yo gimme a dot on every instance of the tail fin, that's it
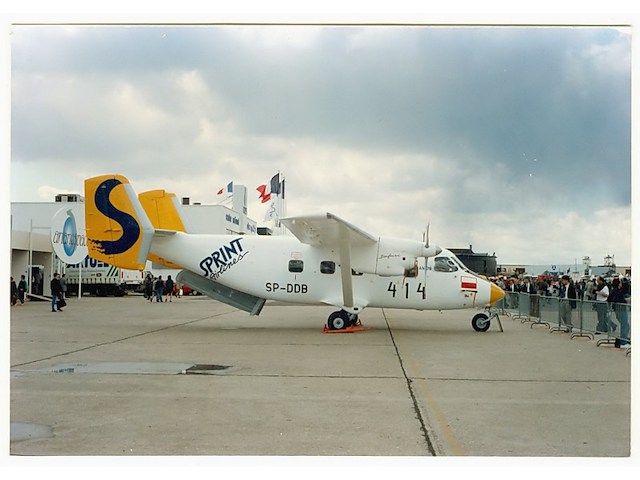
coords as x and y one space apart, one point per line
118 229
162 209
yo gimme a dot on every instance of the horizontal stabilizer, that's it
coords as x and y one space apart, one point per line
217 291
162 208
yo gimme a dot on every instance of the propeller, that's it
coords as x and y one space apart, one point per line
425 235
425 241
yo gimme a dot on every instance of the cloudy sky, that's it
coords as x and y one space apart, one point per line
516 140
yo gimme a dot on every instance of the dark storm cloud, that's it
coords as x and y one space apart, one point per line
478 95
478 122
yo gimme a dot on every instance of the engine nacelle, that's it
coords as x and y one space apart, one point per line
400 256
395 264
391 257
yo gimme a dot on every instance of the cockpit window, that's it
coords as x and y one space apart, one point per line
444 264
462 265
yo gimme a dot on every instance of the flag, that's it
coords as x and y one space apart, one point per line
264 196
228 189
271 213
275 184
274 187
468 283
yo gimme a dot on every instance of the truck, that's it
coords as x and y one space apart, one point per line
101 279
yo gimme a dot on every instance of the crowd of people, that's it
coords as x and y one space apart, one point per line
18 290
585 288
158 288
609 296
154 288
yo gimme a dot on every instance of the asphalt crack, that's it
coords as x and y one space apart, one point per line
416 407
117 340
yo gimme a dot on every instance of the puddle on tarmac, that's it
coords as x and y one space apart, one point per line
28 431
128 368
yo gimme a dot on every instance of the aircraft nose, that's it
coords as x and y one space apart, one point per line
496 294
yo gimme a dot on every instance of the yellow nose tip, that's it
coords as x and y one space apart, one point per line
496 294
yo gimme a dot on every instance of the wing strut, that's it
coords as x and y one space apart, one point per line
345 266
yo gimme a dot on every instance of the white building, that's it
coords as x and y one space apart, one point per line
31 232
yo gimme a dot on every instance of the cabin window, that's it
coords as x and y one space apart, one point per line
444 264
328 267
296 266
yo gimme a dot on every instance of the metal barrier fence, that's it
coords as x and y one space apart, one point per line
581 318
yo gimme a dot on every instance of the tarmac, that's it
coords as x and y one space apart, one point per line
194 377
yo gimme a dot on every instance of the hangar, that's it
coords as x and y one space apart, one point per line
482 263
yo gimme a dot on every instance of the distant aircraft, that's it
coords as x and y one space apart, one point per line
326 261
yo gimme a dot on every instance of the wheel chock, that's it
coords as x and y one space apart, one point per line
351 329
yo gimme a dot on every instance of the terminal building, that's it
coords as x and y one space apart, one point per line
32 254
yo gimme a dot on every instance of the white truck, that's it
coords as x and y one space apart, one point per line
102 279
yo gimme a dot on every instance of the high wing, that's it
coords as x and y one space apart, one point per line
329 231
326 229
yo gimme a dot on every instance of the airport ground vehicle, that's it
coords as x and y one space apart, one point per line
101 279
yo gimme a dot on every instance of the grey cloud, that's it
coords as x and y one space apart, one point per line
509 115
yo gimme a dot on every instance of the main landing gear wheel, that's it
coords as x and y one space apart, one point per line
341 320
481 322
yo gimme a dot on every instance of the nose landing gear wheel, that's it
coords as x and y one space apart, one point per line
481 322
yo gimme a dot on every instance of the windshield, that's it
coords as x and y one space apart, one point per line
462 265
444 264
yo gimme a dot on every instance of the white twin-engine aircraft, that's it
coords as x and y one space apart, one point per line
327 261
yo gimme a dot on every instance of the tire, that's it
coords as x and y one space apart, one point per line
481 322
338 320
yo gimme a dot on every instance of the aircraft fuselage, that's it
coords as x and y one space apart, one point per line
282 268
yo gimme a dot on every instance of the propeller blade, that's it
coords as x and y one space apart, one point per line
427 235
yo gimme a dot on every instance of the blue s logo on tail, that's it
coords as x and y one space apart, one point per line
130 227
118 229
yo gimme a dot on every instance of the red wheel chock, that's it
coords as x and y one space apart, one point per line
352 329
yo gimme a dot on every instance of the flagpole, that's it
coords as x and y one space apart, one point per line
283 204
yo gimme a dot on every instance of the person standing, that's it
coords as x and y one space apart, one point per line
22 288
63 284
534 301
590 290
602 306
148 287
14 292
542 286
568 298
56 292
36 283
168 288
619 297
159 288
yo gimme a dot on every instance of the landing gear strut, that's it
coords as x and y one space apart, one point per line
341 320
